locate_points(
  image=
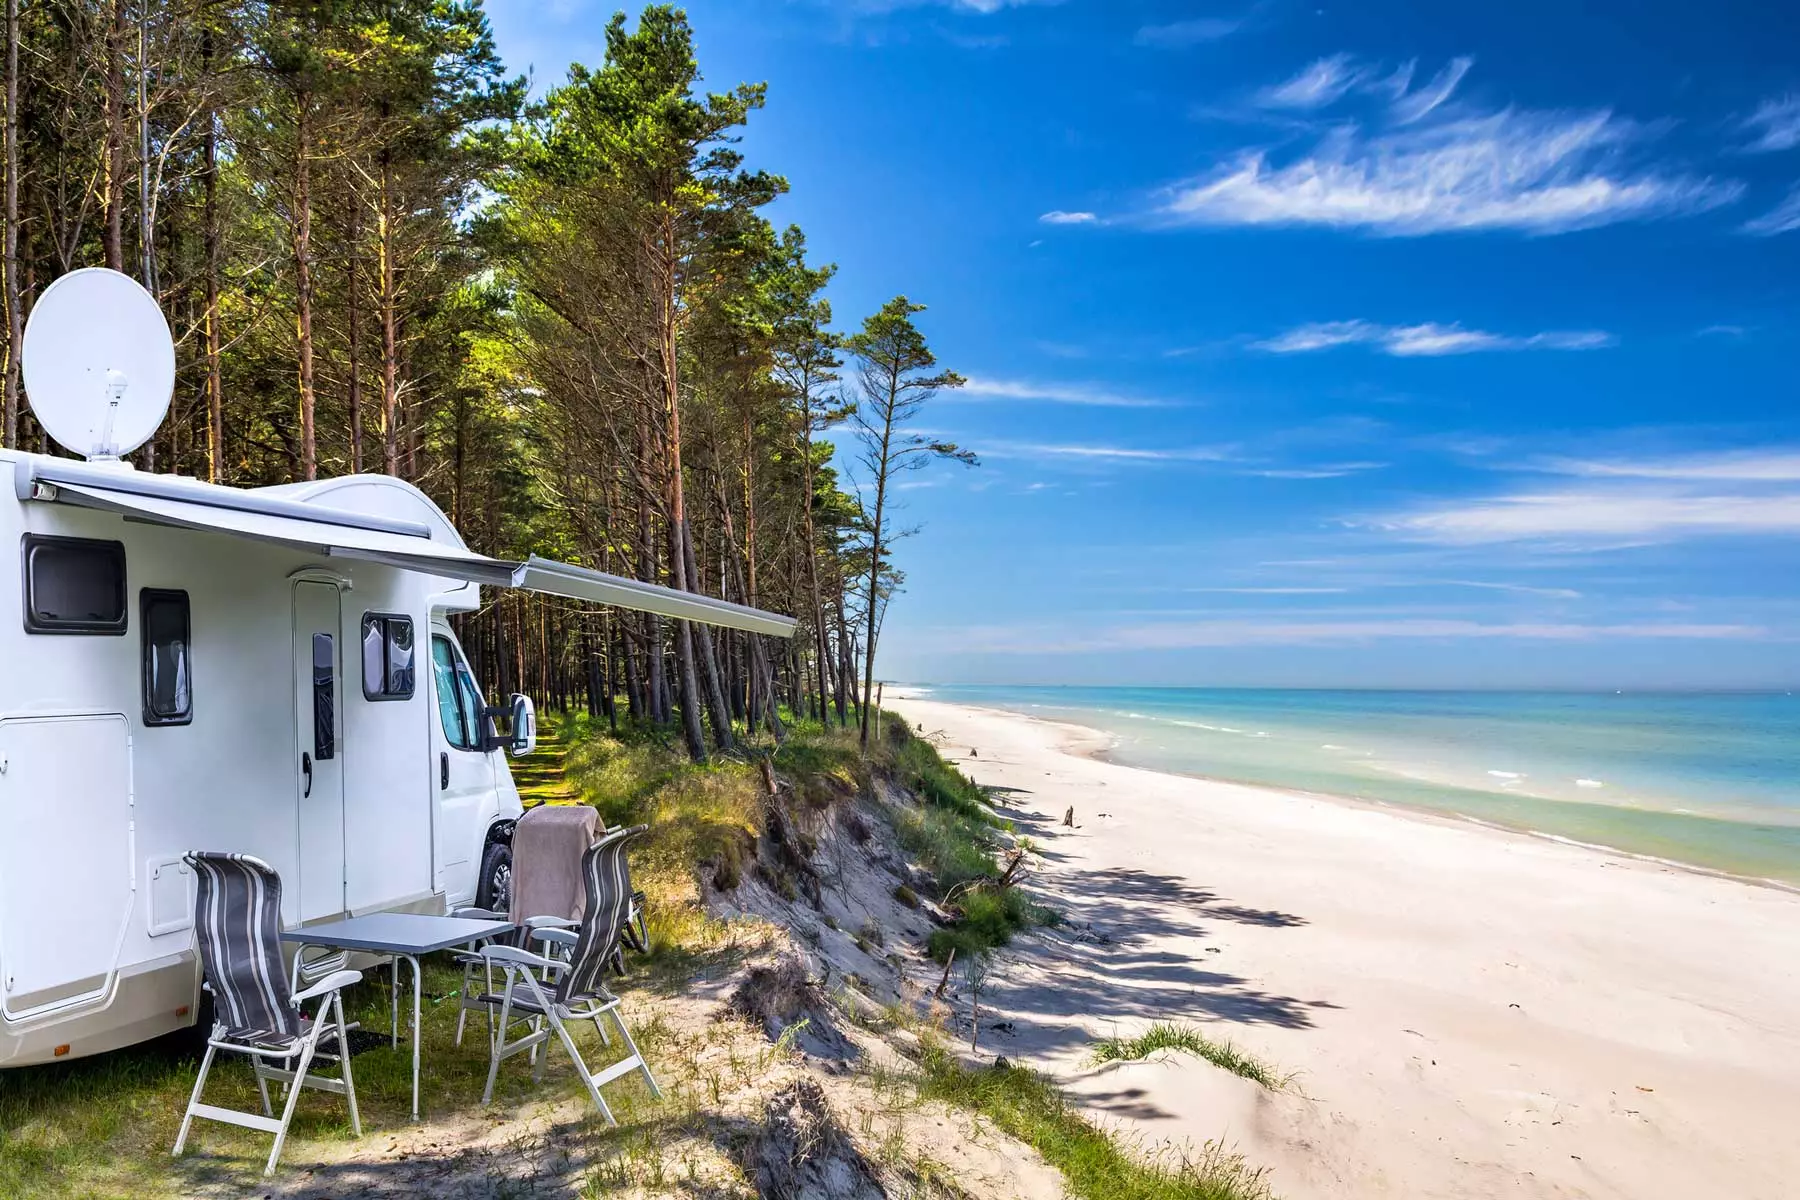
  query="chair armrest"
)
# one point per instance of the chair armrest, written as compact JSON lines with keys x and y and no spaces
{"x":516,"y":957}
{"x":562,"y":937}
{"x":336,"y":981}
{"x":549,"y":923}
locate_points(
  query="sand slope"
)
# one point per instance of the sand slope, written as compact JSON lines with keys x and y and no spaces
{"x":1471,"y":1012}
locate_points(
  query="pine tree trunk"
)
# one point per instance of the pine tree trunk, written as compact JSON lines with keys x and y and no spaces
{"x":215,"y":378}
{"x":114,"y":100}
{"x":303,"y":316}
{"x":390,"y":326}
{"x":15,"y":317}
{"x":353,"y":321}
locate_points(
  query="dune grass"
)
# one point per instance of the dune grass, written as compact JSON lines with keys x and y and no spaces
{"x":1094,"y":1164}
{"x":1186,"y":1039}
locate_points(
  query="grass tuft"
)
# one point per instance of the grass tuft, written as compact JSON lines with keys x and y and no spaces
{"x":1188,"y":1040}
{"x":1029,"y":1107}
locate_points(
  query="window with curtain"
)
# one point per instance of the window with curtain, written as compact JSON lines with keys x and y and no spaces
{"x":387,"y":654}
{"x":168,"y":657}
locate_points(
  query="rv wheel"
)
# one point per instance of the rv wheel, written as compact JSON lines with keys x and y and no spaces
{"x":495,"y":890}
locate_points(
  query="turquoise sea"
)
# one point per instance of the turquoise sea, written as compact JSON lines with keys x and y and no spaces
{"x":1711,"y":780}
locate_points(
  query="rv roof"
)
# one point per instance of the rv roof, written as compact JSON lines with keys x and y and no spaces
{"x":282,"y":519}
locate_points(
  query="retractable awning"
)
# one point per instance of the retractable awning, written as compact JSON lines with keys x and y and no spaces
{"x":335,"y":533}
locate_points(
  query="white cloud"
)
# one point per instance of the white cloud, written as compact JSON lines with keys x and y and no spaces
{"x":1776,"y":124}
{"x":1318,"y":85}
{"x":1180,"y":34}
{"x":1410,"y":107}
{"x":1768,"y":465}
{"x":1783,"y":218}
{"x":1054,"y":393}
{"x":1328,"y":471}
{"x":1656,"y":514}
{"x":1533,"y":172}
{"x":1425,"y":340}
{"x":1059,"y":217}
{"x":1097,"y":453}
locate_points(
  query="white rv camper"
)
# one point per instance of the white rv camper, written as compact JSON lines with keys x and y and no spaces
{"x":188,"y":666}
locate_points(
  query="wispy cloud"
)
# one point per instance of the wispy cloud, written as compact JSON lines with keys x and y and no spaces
{"x":1319,"y":84}
{"x":1101,"y":453}
{"x":1177,"y":35}
{"x":1764,"y":465}
{"x":1724,"y":331}
{"x":1584,"y":514}
{"x":1414,"y":106}
{"x":1054,"y":393}
{"x":1425,"y":340}
{"x":1783,"y":218}
{"x":1775,"y":125}
{"x":1327,"y":471}
{"x":1177,"y":635}
{"x":1059,"y":217}
{"x":1532,"y":172}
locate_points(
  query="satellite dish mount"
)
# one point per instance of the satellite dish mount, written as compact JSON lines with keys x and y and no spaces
{"x":98,"y":364}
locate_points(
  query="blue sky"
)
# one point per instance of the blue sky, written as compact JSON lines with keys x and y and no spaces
{"x":1334,"y":345}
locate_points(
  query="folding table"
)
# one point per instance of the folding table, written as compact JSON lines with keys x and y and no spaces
{"x":407,"y":936}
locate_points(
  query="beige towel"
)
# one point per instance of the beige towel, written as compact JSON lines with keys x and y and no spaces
{"x":548,"y":843}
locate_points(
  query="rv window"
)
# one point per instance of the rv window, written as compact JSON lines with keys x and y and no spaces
{"x":458,"y":706}
{"x":164,"y":627}
{"x":74,"y":585}
{"x":324,"y":667}
{"x":387,"y":650}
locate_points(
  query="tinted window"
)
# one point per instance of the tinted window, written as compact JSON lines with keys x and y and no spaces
{"x":74,"y":585}
{"x":324,"y":671}
{"x":168,"y":658}
{"x":387,"y":654}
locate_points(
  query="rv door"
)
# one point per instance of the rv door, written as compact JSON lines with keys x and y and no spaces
{"x":318,"y":747}
{"x":463,"y":778}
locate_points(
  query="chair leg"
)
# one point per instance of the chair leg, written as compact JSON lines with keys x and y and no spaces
{"x":498,"y":1043}
{"x":581,"y":1068}
{"x":262,"y":1085}
{"x":600,"y":1028}
{"x":631,"y":1045}
{"x":293,"y":1098}
{"x":343,"y":1032}
{"x":187,"y":1120}
{"x":462,"y":1001}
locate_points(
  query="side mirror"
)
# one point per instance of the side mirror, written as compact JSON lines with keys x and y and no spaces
{"x":524,"y":726}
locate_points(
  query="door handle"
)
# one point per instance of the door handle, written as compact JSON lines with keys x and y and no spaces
{"x":306,"y":770}
{"x":443,"y":771}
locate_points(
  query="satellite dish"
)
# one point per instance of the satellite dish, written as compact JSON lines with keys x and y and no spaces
{"x":98,"y":362}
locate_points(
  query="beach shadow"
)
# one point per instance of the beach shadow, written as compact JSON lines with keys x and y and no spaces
{"x":1129,"y":950}
{"x":1128,"y":1102}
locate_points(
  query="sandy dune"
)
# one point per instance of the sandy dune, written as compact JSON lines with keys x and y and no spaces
{"x":1470,"y":1012}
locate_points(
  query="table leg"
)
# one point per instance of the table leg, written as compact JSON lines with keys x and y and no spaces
{"x":418,"y":990}
{"x":394,"y":1000}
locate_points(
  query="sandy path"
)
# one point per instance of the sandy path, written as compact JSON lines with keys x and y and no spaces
{"x":1471,"y":1012}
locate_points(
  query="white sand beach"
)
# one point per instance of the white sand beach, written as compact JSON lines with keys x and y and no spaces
{"x":1470,"y":1012}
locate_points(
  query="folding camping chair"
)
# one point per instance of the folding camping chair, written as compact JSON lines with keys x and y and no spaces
{"x":578,"y":991}
{"x":237,"y":921}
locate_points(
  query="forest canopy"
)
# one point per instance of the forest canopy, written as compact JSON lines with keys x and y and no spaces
{"x":568,"y":320}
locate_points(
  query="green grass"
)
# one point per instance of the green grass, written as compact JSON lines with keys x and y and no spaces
{"x":1095,"y":1165}
{"x":955,"y":836}
{"x":1188,"y":1040}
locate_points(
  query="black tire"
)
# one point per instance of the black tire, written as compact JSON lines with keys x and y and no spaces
{"x":494,"y":891}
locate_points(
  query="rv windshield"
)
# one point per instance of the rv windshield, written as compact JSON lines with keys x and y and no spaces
{"x":459,"y":701}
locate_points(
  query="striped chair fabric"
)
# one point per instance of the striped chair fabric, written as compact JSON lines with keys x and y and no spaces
{"x":579,"y":992}
{"x":237,"y":918}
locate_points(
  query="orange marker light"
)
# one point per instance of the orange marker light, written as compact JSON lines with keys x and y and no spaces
{"x":182,"y":1011}
{"x":60,"y":1051}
